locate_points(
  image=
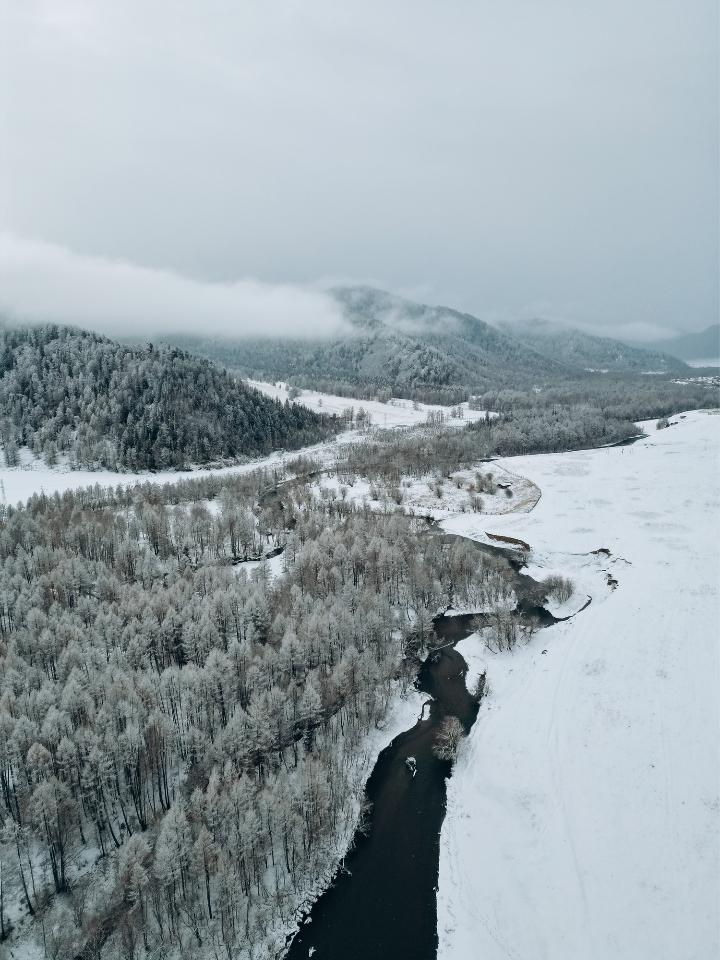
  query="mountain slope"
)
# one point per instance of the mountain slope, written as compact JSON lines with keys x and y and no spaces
{"x":700,"y":345}
{"x":403,"y":347}
{"x":432,"y":353}
{"x":588,"y":352}
{"x":103,"y":403}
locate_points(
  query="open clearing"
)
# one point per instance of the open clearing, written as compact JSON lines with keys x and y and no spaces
{"x":393,"y":413}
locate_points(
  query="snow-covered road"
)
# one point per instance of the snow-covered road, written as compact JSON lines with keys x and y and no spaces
{"x":583,"y":811}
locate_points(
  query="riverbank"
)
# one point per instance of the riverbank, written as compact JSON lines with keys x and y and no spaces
{"x":382,"y":903}
{"x":583,"y":808}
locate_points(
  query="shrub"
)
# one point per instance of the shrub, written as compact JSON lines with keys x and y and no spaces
{"x":448,"y":739}
{"x":561,"y":588}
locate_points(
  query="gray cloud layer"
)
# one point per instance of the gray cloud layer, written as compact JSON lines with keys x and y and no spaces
{"x":512,"y":159}
{"x":44,"y":282}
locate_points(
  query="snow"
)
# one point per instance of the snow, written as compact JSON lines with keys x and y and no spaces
{"x":273,"y":566}
{"x":473,"y":651}
{"x":583,"y":809}
{"x":395,"y":413}
{"x":419,"y":494}
{"x":33,"y":476}
{"x":567,"y":608}
{"x":420,"y":497}
{"x":712,"y":380}
{"x":26,"y":951}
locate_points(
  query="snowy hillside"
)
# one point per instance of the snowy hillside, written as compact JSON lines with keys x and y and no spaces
{"x":583,"y":811}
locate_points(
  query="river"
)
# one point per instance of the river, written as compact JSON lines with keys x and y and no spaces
{"x":382,"y":904}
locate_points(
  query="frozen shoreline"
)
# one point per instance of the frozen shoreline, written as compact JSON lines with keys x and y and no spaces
{"x":583,"y":810}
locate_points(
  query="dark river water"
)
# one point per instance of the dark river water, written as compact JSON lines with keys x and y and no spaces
{"x":384,"y":905}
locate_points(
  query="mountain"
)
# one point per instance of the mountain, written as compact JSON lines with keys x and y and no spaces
{"x":585,"y":351}
{"x":700,"y":345}
{"x":64,"y":390}
{"x":431,"y":352}
{"x":397,"y":345}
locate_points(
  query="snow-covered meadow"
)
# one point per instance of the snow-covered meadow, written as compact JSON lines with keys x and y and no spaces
{"x":583,"y":810}
{"x":393,"y":413}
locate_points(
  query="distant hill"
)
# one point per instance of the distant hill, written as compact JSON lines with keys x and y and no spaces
{"x":400,"y":346}
{"x":434,"y":353}
{"x":588,"y":352}
{"x":701,"y":345}
{"x":66,"y":391}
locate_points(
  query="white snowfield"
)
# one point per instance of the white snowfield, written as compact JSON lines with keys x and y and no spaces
{"x":394,"y":413}
{"x":584,"y":807}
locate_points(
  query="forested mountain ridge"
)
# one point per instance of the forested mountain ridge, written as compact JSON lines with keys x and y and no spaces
{"x":477,"y":348}
{"x":410,"y":349}
{"x":67,"y":391}
{"x":588,"y":352}
{"x":396,"y":346}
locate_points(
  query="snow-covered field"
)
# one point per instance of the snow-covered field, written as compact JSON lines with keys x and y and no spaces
{"x":34,"y":476}
{"x":394,"y":413}
{"x":584,"y":807}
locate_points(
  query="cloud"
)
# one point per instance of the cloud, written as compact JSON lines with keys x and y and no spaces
{"x":44,"y":282}
{"x":479,"y":154}
{"x":639,"y":332}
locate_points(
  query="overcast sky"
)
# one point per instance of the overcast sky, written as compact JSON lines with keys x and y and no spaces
{"x":515,"y":159}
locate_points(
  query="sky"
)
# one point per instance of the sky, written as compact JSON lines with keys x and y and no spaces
{"x":216,"y":165}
